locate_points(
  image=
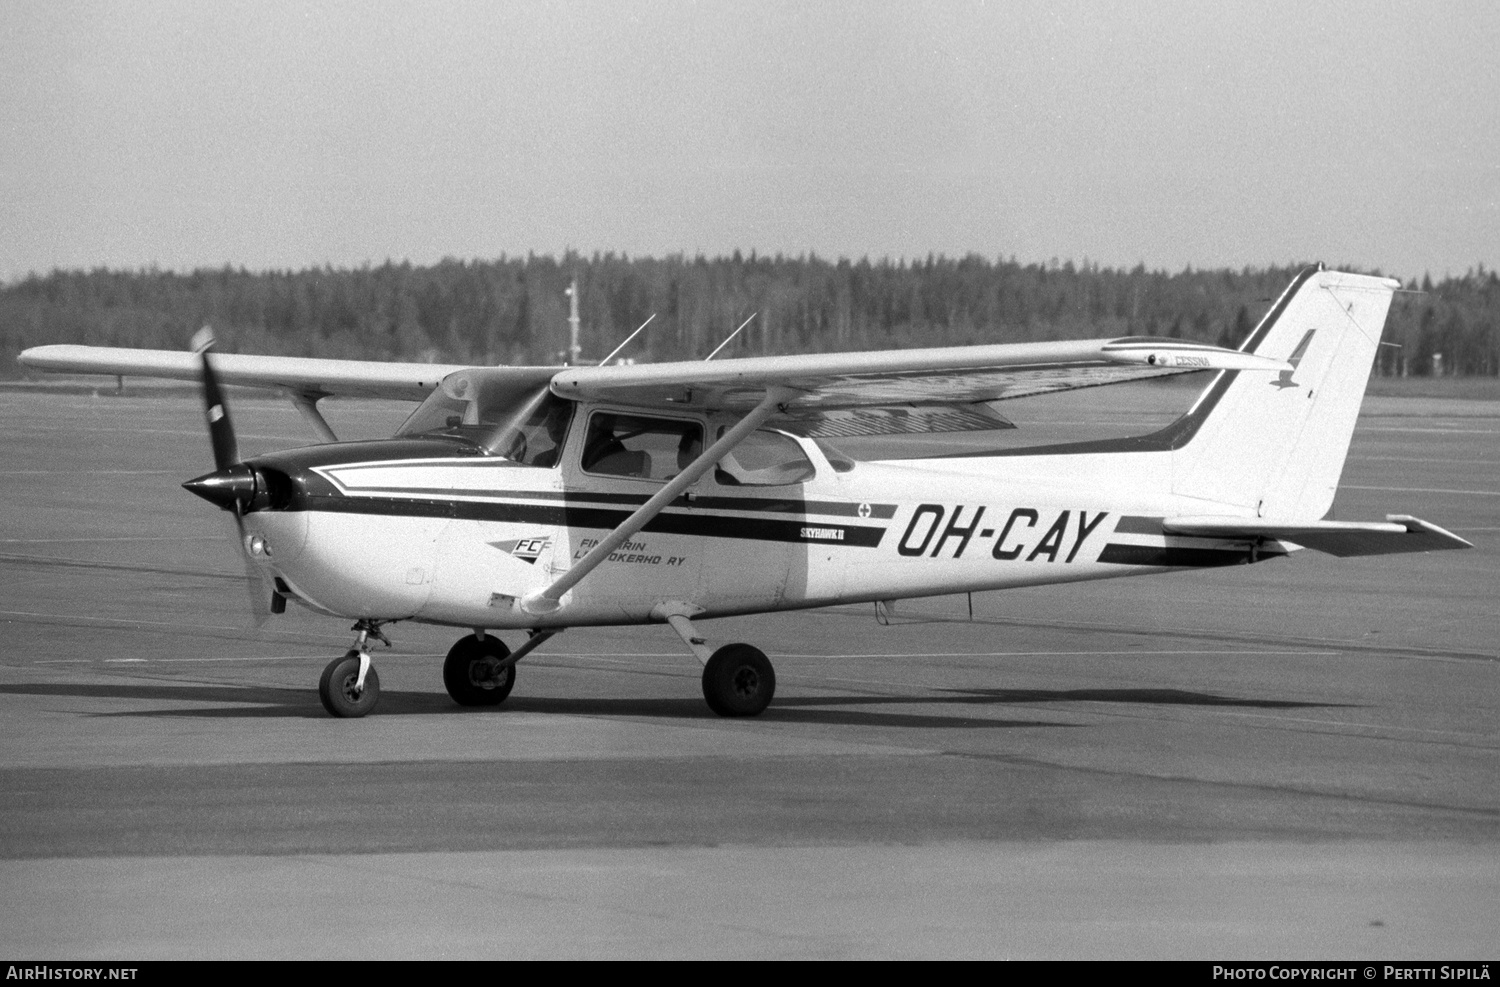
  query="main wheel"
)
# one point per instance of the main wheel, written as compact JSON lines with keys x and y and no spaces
{"x":336,"y":687}
{"x":738,"y":681}
{"x":472,"y":671}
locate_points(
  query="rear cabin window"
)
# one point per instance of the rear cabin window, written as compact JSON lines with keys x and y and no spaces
{"x":638,"y":447}
{"x":765,"y":459}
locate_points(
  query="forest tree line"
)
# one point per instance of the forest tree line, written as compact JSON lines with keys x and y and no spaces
{"x":514,"y":309}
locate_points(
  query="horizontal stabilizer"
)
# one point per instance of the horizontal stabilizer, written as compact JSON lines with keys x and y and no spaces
{"x":1398,"y":533}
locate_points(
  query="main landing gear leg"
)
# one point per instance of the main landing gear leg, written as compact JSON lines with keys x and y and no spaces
{"x":350,"y":686}
{"x":738,"y":679}
{"x":480,"y":670}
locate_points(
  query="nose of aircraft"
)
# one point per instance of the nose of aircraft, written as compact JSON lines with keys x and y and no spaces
{"x":226,"y":488}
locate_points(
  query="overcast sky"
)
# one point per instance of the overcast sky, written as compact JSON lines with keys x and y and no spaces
{"x":271,"y":134}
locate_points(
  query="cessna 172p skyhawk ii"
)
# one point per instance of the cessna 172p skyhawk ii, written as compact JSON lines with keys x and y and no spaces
{"x":541,"y":498}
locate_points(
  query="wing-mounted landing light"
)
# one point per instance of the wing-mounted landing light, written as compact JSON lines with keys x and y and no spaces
{"x":234,"y":485}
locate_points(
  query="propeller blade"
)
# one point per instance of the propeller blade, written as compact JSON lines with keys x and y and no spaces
{"x":220,"y":429}
{"x":257,"y":587}
{"x":232,"y":486}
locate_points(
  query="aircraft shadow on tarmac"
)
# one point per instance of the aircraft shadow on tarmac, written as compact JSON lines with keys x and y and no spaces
{"x":271,"y":703}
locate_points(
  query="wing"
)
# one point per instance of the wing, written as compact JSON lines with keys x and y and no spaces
{"x":312,"y":378}
{"x":955,"y":378}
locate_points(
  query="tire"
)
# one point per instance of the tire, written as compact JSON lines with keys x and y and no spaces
{"x":336,"y":688}
{"x":469,"y":676}
{"x":738,"y":681}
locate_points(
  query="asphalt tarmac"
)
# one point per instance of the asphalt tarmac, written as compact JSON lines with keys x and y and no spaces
{"x":1292,"y":760}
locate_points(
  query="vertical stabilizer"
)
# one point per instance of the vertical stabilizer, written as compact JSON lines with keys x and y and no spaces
{"x":1277,"y":445}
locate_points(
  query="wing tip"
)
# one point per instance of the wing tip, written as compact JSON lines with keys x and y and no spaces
{"x":1416,"y":525}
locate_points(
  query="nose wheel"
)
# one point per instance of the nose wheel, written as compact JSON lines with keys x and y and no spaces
{"x":350,"y":687}
{"x":344,"y":691}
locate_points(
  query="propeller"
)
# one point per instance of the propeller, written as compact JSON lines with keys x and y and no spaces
{"x":233,"y":485}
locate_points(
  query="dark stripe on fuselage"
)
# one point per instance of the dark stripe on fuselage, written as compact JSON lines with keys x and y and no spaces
{"x":1131,"y":525}
{"x":762,"y":505}
{"x":305,"y":489}
{"x":1180,"y":432}
{"x":704,"y":525}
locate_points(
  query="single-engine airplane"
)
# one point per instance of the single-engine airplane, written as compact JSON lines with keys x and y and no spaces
{"x":536,"y":499}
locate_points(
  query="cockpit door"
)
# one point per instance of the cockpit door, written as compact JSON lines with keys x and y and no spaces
{"x":620,"y":460}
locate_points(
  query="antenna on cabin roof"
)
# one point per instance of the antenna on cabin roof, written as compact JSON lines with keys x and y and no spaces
{"x":729,"y":337}
{"x":575,"y":351}
{"x":616,"y":351}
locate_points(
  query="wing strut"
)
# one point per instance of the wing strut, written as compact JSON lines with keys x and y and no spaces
{"x":307,"y":406}
{"x":548,"y":599}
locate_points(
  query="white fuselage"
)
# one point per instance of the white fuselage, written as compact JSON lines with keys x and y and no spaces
{"x":461,"y":540}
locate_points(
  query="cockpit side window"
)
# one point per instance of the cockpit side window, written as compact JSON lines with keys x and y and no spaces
{"x":639,"y":447}
{"x":765,"y":459}
{"x":537,"y":439}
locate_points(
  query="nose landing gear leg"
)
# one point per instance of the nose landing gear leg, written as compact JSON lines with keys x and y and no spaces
{"x":350,"y":686}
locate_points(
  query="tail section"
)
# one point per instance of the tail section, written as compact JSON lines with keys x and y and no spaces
{"x":1277,"y":444}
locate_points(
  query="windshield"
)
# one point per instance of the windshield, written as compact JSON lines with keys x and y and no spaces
{"x":525,"y":425}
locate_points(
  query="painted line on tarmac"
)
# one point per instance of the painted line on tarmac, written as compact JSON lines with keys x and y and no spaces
{"x":88,"y":472}
{"x":1345,"y":646}
{"x":128,"y":621}
{"x":945,"y":654}
{"x":70,"y":618}
{"x":169,"y":661}
{"x":1306,"y":724}
{"x":320,"y":656}
{"x":1371,"y":731}
{"x":274,"y":441}
{"x":54,"y":541}
{"x":39,"y":560}
{"x":1431,"y":490}
{"x":96,"y":429}
{"x":1416,"y":459}
{"x":1060,"y":654}
{"x":1439,"y":431}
